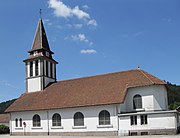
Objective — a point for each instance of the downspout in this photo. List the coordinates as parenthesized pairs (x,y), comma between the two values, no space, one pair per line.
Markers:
(10,122)
(48,121)
(117,118)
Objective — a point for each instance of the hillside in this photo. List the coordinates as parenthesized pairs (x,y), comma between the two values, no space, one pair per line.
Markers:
(173,95)
(5,105)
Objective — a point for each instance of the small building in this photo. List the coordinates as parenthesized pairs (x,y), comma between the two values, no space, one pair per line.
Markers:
(131,102)
(4,119)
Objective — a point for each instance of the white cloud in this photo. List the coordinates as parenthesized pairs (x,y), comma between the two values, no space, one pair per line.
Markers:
(85,7)
(92,22)
(79,37)
(78,26)
(91,43)
(88,51)
(62,10)
(5,83)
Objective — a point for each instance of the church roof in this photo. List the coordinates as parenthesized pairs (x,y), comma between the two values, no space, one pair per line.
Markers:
(40,40)
(4,118)
(87,91)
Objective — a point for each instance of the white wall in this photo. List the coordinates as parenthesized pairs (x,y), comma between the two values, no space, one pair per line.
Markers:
(90,119)
(153,98)
(155,121)
(34,84)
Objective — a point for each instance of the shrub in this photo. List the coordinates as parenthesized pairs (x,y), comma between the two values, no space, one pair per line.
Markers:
(4,129)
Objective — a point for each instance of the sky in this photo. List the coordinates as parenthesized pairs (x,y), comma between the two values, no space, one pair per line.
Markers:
(91,37)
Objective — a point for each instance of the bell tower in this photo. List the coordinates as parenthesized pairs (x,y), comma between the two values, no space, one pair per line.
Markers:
(40,66)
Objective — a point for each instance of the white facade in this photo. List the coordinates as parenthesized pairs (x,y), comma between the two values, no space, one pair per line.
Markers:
(160,122)
(154,98)
(91,120)
(154,101)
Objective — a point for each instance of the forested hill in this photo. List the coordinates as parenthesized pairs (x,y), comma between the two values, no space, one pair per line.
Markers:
(173,98)
(5,105)
(173,95)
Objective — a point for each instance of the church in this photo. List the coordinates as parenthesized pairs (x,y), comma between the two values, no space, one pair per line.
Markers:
(131,102)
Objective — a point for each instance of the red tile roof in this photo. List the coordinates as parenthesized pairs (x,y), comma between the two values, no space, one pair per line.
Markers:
(4,118)
(87,91)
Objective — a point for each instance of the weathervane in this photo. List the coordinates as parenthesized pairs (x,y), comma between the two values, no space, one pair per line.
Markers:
(40,12)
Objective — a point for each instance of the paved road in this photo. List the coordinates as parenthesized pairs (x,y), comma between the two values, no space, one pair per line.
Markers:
(150,136)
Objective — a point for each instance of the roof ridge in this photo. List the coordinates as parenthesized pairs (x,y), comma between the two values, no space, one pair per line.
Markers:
(97,75)
(146,76)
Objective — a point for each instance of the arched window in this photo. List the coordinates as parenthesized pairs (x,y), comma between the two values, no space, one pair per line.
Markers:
(104,118)
(78,119)
(20,122)
(56,120)
(36,121)
(137,101)
(16,121)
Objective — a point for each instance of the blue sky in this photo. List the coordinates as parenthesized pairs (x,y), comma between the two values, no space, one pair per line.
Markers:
(91,37)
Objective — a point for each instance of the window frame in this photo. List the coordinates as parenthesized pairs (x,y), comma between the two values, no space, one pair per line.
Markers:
(56,120)
(137,101)
(20,122)
(133,120)
(104,118)
(36,67)
(47,68)
(31,68)
(78,119)
(144,120)
(36,121)
(16,122)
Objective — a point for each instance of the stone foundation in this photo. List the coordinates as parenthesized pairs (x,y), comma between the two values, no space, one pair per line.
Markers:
(92,133)
(153,132)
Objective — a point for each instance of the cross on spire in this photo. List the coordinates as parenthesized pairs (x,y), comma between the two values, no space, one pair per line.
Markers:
(40,12)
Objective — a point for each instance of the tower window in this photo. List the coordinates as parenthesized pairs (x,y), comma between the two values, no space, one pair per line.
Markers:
(47,70)
(51,69)
(31,69)
(37,68)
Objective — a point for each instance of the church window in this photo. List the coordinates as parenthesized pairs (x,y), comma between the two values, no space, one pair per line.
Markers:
(143,119)
(104,118)
(133,120)
(56,120)
(36,121)
(31,69)
(37,68)
(20,122)
(137,102)
(16,122)
(47,69)
(78,119)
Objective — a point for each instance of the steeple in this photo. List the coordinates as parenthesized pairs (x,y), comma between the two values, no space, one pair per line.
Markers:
(40,66)
(40,39)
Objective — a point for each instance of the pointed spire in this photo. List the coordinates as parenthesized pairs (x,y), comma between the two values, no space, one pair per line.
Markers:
(40,40)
